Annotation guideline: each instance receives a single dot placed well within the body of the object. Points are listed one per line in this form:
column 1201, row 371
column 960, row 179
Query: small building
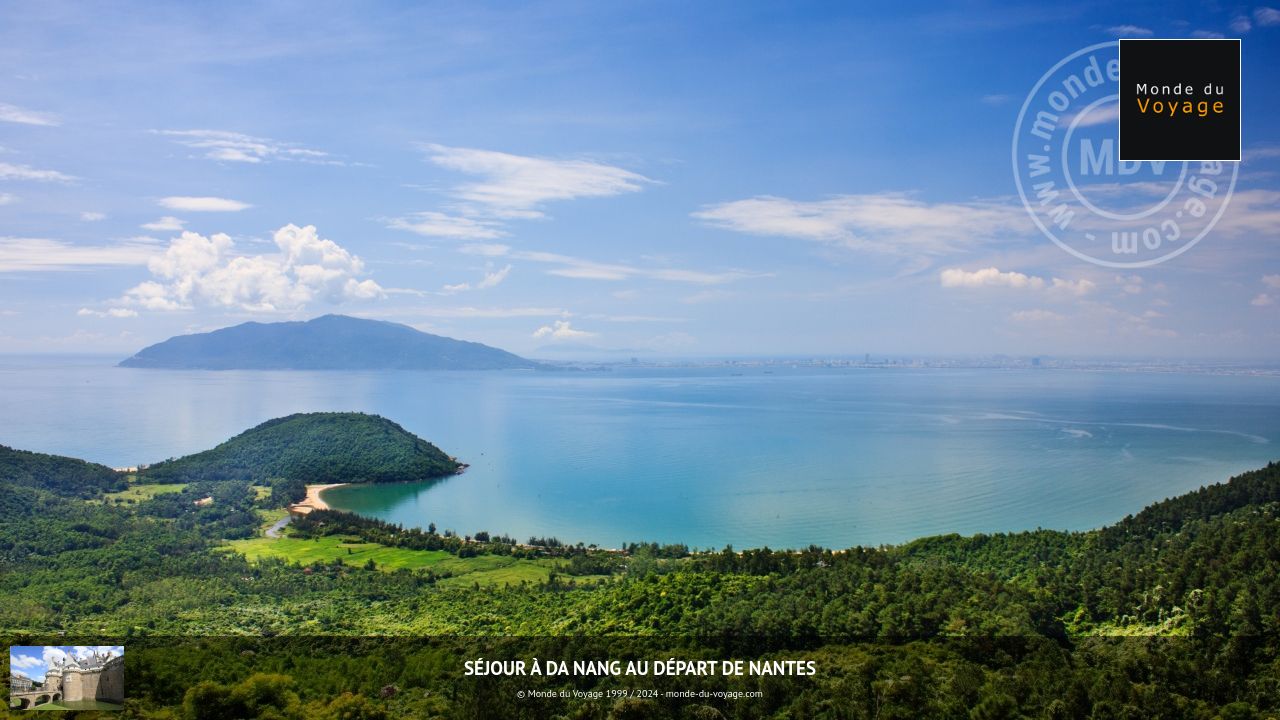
column 20, row 683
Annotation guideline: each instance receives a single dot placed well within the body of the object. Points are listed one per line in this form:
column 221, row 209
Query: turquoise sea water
column 704, row 456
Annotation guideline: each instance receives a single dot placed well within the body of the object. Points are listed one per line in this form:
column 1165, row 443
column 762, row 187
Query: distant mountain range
column 330, row 342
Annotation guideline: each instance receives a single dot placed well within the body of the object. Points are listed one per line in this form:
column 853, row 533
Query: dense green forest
column 1171, row 613
column 312, row 448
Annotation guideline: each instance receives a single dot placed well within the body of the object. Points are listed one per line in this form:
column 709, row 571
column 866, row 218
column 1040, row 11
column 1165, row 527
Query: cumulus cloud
column 199, row 270
column 994, row 277
column 1262, row 300
column 1207, row 35
column 25, row 662
column 237, row 147
column 92, row 216
column 6, row 199
column 15, row 114
column 168, row 223
column 988, row 277
column 561, row 330
column 1240, row 24
column 202, row 204
column 24, row 172
column 879, row 222
column 1271, row 281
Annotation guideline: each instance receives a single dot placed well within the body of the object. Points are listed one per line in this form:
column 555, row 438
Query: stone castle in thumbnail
column 97, row 676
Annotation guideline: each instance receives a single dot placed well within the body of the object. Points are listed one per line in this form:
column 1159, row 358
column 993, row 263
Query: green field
column 483, row 569
column 139, row 493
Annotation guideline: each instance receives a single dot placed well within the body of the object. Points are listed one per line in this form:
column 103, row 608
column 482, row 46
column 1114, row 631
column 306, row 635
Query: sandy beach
column 313, row 501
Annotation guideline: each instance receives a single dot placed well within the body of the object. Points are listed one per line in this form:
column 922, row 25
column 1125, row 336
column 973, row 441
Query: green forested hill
column 62, row 475
column 313, row 448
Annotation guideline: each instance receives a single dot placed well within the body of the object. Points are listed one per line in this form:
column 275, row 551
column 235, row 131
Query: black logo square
column 1180, row 99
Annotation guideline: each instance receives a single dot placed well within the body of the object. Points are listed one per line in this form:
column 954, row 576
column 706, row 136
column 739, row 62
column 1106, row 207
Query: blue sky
column 648, row 178
column 34, row 661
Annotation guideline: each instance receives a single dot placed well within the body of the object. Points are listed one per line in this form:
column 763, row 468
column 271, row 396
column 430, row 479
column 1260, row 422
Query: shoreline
column 313, row 500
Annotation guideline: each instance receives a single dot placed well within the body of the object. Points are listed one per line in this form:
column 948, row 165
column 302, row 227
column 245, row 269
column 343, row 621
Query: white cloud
column 15, row 114
column 578, row 268
column 1207, row 35
column 203, row 204
column 92, row 216
column 25, row 662
column 1131, row 284
column 115, row 312
column 1072, row 287
column 1266, row 16
column 489, row 313
column 561, row 330
column 1271, row 281
column 996, row 99
column 1251, row 211
column 1262, row 152
column 880, row 222
column 1036, row 317
column 237, row 147
column 1105, row 114
column 24, row 172
column 39, row 254
column 168, row 223
column 198, row 270
column 1262, row 300
column 1240, row 24
column 6, row 199
column 491, row 278
column 437, row 224
column 515, row 186
column 485, row 249
column 1129, row 31
column 988, row 277
column 994, row 277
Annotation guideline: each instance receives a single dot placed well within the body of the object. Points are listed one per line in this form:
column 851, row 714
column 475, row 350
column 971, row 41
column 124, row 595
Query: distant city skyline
column 565, row 179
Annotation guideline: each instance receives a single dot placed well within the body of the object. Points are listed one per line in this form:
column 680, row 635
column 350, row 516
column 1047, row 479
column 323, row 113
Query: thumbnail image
column 65, row 677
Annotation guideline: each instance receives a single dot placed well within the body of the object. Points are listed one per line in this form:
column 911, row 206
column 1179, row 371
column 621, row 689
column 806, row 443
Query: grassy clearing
column 484, row 569
column 140, row 493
